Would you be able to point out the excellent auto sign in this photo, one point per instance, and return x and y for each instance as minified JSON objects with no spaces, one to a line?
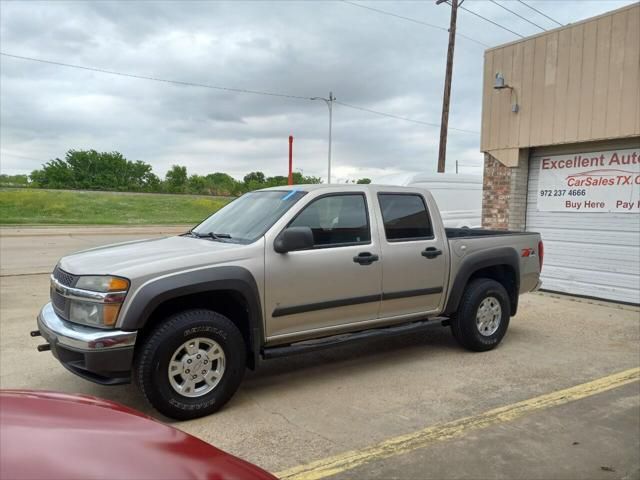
{"x":590,"y":182}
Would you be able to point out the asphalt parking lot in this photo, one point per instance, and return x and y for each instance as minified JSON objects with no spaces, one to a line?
{"x":430,"y":401}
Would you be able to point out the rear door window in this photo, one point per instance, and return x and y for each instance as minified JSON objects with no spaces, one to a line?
{"x":405,"y":217}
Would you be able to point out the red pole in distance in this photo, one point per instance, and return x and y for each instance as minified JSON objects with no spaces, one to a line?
{"x":290,"y":159}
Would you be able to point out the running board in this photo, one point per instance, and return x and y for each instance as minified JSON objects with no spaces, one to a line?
{"x":349,"y":338}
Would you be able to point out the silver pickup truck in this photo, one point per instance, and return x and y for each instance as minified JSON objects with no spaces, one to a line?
{"x":278,"y":272}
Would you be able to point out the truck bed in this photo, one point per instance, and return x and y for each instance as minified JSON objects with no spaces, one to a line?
{"x":480,"y":232}
{"x":493,"y":243}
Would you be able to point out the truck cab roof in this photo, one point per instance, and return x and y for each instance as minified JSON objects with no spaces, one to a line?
{"x":347,"y":187}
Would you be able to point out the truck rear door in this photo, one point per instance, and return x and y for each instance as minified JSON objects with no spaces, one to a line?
{"x":415,"y":258}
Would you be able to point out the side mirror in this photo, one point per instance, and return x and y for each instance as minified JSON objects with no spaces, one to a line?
{"x":293,"y":238}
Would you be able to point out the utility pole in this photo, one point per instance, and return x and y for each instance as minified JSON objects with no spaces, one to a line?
{"x":444,"y":123}
{"x":329,"y":101}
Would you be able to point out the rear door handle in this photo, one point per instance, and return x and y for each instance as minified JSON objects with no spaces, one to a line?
{"x":431,"y":252}
{"x":365,"y":258}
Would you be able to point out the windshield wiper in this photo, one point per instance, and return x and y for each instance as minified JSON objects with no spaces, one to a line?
{"x":214,"y":236}
{"x":211,"y":235}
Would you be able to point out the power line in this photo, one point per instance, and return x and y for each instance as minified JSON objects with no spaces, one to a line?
{"x":518,"y":15}
{"x":413,"y":20}
{"x":229,"y":89}
{"x":487,"y":20}
{"x":490,"y":21}
{"x":155,"y":79}
{"x":398,"y":117}
{"x":541,"y":13}
{"x":391,"y":14}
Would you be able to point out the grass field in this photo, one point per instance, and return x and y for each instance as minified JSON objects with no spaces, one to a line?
{"x":39,"y":207}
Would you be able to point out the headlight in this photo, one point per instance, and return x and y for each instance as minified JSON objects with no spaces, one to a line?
{"x":95,"y":300}
{"x":94,"y":314}
{"x":101,"y":283}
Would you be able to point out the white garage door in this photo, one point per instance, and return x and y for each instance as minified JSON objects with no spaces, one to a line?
{"x":594,"y":254}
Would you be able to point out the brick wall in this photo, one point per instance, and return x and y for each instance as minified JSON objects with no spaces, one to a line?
{"x":504,"y":195}
{"x":518,"y":196}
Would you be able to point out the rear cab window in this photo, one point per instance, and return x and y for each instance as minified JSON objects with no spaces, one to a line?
{"x":405,"y":217}
{"x":336,"y":220}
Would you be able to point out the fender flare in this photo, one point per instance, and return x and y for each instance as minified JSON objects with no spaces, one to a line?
{"x":238,"y":279}
{"x":477,"y":261}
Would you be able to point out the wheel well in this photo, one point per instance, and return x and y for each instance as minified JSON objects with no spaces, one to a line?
{"x":229,"y":303}
{"x":506,"y":276}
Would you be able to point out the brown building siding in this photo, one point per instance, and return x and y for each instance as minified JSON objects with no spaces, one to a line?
{"x":574,"y":84}
{"x":578,"y":92}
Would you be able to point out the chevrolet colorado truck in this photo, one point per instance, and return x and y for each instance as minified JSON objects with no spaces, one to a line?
{"x":277,"y":272}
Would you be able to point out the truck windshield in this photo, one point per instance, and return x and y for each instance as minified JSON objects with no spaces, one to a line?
{"x":247,"y":218}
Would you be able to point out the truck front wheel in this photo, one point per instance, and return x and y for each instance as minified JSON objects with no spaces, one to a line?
{"x":483,"y":315}
{"x":191,"y":364}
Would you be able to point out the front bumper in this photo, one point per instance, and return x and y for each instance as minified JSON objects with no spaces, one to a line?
{"x":102,"y":356}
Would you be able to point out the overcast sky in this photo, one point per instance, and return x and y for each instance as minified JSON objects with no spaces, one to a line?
{"x":302,"y":48}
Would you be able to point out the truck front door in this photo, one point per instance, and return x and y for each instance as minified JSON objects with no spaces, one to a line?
{"x":332,"y":285}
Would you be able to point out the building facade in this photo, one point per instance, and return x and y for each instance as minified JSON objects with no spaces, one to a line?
{"x":561,"y":138}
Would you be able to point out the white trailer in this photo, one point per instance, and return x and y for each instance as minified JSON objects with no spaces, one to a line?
{"x":459,"y":197}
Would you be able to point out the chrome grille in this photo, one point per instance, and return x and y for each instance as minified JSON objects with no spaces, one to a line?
{"x":64,"y":278}
{"x":59,"y":302}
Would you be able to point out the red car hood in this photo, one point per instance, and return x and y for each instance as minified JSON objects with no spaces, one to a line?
{"x":55,"y":436}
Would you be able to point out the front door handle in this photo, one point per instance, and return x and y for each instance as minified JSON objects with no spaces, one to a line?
{"x":365,"y":258}
{"x":431,"y":252}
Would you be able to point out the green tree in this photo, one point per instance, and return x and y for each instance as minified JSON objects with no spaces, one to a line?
{"x":138,"y":176}
{"x":300,"y":179}
{"x":257,"y":177}
{"x":223,"y":184}
{"x":251,"y":186}
{"x":254,"y":181}
{"x":89,"y":169}
{"x":198,"y":184}
{"x":176,"y":179}
{"x":14,"y":180}
{"x":152,"y":183}
{"x":92,"y":170}
{"x":276,"y":181}
{"x":54,"y":174}
{"x":364,"y":181}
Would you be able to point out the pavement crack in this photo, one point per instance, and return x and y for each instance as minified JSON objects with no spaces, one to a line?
{"x":305,"y":429}
{"x":292,"y":423}
{"x":7,"y":275}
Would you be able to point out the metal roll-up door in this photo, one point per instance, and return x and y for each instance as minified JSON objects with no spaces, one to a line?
{"x":589,"y":254}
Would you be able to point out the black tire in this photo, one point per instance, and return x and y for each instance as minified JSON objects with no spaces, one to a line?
{"x":463,"y":323}
{"x":152,"y":362}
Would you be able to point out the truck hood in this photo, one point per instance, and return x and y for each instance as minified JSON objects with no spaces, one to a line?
{"x":139,"y":257}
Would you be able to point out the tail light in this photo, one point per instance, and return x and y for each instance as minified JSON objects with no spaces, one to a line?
{"x":541,"y":253}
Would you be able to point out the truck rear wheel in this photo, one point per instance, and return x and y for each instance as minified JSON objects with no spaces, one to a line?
{"x":191,"y":364}
{"x":483,"y":315}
